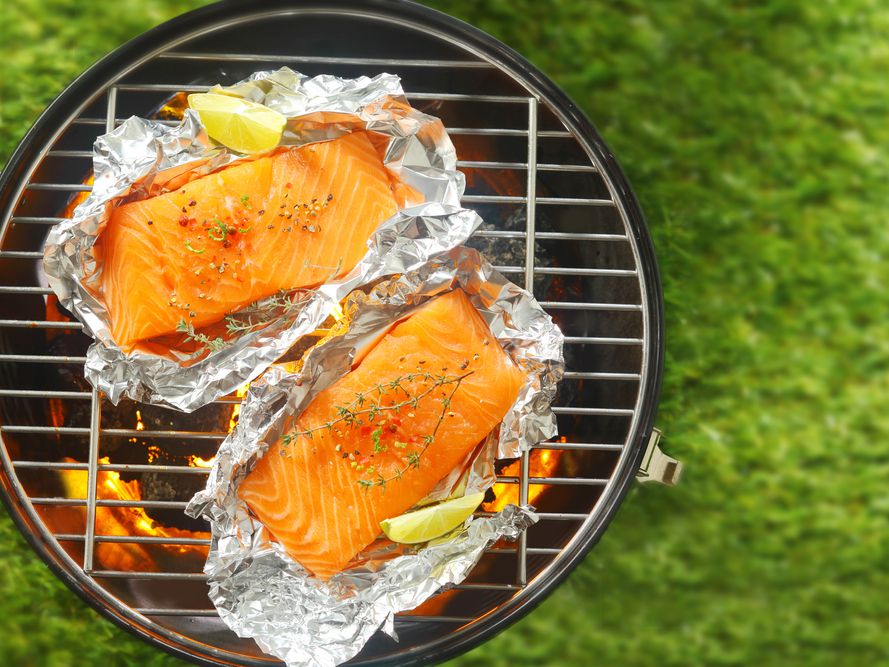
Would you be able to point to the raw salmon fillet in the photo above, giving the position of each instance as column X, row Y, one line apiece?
column 289, row 220
column 308, row 491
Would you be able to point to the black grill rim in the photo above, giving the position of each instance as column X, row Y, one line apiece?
column 511, row 611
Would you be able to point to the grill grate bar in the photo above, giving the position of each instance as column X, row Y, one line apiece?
column 39, row 324
column 579, row 305
column 562, row 516
column 405, row 618
column 557, row 236
column 609, row 412
column 487, row 164
column 530, row 261
column 115, row 467
column 553, row 481
column 24, row 289
column 580, row 375
column 39, row 393
column 505, row 132
column 135, row 539
column 324, row 60
column 165, row 576
column 82, row 502
column 95, row 414
column 35, row 220
column 202, row 542
column 92, row 480
column 41, row 358
column 60, row 187
column 452, row 97
column 200, row 576
column 519, row 199
column 467, row 199
column 601, row 340
column 20, row 254
column 60, row 153
column 581, row 446
column 564, row 271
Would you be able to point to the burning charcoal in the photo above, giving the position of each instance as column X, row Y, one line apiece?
column 170, row 486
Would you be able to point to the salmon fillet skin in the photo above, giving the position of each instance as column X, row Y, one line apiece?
column 378, row 440
column 293, row 219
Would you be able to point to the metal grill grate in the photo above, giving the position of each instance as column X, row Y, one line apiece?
column 557, row 220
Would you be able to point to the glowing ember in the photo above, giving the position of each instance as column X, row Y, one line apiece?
column 119, row 521
column 198, row 462
column 139, row 425
column 543, row 463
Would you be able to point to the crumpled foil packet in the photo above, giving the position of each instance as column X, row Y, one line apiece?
column 138, row 158
column 258, row 590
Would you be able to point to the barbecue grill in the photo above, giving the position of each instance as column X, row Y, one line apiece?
column 99, row 489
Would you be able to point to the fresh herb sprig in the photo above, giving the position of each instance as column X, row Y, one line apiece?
column 212, row 344
column 274, row 306
column 364, row 409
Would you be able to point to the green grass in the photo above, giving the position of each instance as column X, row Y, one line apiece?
column 755, row 135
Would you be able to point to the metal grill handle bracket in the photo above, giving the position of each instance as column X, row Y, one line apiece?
column 657, row 466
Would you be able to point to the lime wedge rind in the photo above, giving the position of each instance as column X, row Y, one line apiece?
column 239, row 124
column 432, row 521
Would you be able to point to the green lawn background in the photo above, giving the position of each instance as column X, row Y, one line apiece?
column 755, row 135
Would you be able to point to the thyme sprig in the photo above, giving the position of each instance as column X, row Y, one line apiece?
column 274, row 306
column 212, row 344
column 366, row 410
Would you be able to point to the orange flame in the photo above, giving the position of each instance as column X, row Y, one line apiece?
column 236, row 410
column 543, row 463
column 198, row 462
column 119, row 521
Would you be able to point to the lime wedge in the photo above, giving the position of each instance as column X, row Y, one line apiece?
column 242, row 125
column 431, row 522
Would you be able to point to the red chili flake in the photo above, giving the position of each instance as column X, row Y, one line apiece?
column 151, row 222
column 261, row 211
column 183, row 220
column 330, row 197
column 226, row 244
column 288, row 185
column 270, row 227
column 192, row 203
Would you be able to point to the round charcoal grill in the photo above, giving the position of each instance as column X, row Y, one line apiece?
column 99, row 489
